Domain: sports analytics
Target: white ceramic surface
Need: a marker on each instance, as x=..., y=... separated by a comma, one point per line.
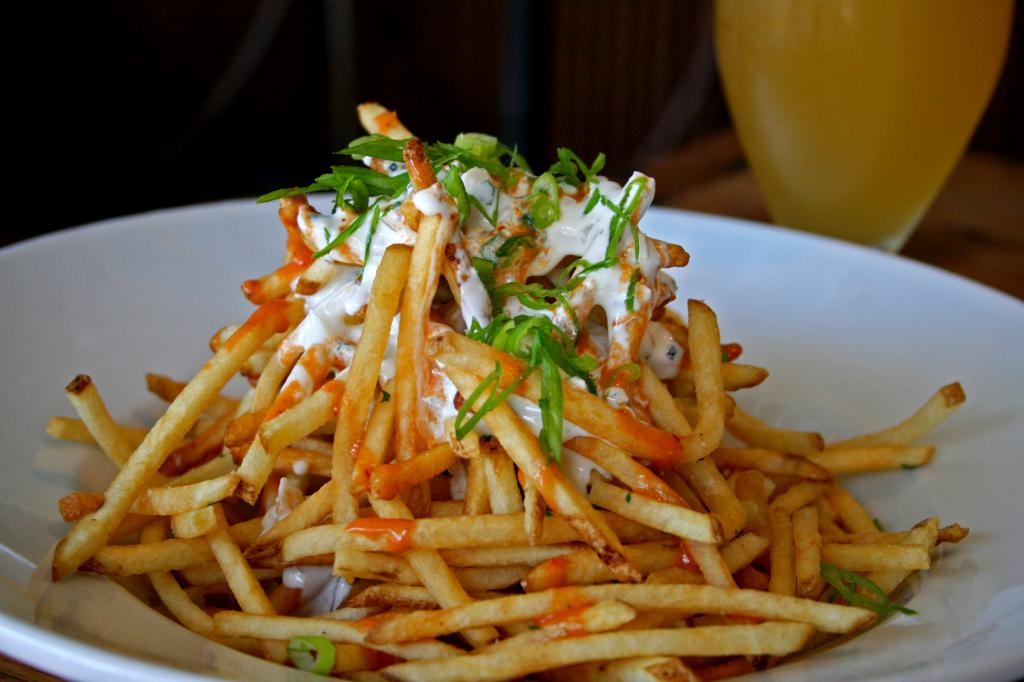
x=854, y=339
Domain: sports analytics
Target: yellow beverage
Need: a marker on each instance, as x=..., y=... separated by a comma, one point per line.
x=853, y=113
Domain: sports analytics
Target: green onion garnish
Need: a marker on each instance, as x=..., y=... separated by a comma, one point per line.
x=847, y=584
x=631, y=291
x=312, y=654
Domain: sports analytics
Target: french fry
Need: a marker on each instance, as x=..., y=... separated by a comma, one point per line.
x=798, y=496
x=756, y=433
x=850, y=512
x=485, y=530
x=239, y=576
x=294, y=423
x=375, y=444
x=601, y=617
x=195, y=523
x=772, y=462
x=943, y=403
x=769, y=638
x=171, y=593
x=924, y=534
x=848, y=460
x=363, y=376
x=411, y=363
x=503, y=491
x=162, y=556
x=390, y=479
x=285, y=628
x=166, y=501
x=375, y=119
x=477, y=491
x=76, y=505
x=807, y=553
x=679, y=521
x=90, y=407
x=683, y=598
x=705, y=478
x=875, y=557
x=783, y=577
x=705, y=353
x=65, y=428
x=92, y=532
x=735, y=376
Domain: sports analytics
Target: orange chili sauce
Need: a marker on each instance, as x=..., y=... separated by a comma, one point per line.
x=397, y=533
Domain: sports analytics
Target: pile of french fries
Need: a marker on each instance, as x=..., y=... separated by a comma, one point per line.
x=692, y=561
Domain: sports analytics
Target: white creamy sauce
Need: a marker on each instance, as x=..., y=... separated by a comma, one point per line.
x=289, y=496
x=433, y=200
x=660, y=350
x=300, y=467
x=457, y=483
x=321, y=592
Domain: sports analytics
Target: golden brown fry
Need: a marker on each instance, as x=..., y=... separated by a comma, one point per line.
x=286, y=627
x=76, y=505
x=683, y=598
x=171, y=593
x=66, y=428
x=679, y=521
x=363, y=376
x=169, y=500
x=90, y=407
x=943, y=403
x=502, y=489
x=705, y=478
x=705, y=353
x=783, y=577
x=390, y=479
x=850, y=512
x=848, y=460
x=771, y=462
x=376, y=120
x=769, y=638
x=195, y=523
x=807, y=553
x=756, y=433
x=875, y=557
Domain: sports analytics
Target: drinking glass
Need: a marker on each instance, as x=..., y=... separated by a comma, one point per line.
x=852, y=113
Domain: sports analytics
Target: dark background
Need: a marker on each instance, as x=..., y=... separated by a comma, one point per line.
x=122, y=107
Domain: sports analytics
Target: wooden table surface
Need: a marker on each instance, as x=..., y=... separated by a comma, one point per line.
x=975, y=228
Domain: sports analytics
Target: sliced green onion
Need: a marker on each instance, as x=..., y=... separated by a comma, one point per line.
x=477, y=144
x=544, y=201
x=312, y=654
x=344, y=234
x=551, y=407
x=373, y=231
x=457, y=190
x=847, y=584
x=631, y=291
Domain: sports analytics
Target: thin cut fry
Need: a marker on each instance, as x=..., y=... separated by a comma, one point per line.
x=807, y=553
x=770, y=638
x=945, y=401
x=848, y=460
x=756, y=433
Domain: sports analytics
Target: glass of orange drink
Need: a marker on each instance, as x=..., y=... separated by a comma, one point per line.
x=852, y=113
